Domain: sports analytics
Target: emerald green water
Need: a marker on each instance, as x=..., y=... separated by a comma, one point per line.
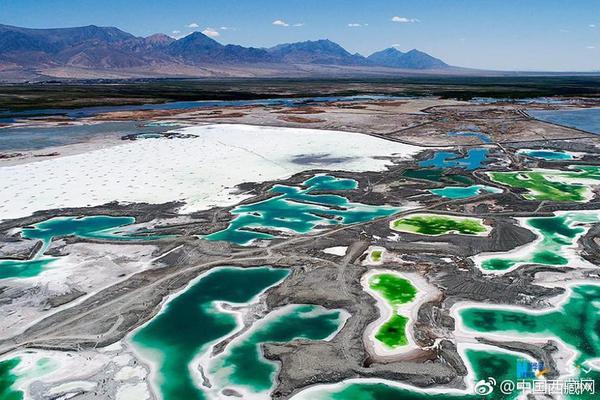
x=557, y=233
x=93, y=227
x=24, y=269
x=497, y=364
x=299, y=210
x=437, y=225
x=190, y=322
x=396, y=291
x=576, y=322
x=555, y=186
x=243, y=365
x=8, y=379
x=458, y=192
x=436, y=175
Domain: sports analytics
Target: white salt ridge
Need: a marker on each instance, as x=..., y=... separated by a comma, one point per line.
x=336, y=250
x=202, y=171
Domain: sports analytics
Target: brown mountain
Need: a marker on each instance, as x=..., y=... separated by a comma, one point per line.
x=96, y=52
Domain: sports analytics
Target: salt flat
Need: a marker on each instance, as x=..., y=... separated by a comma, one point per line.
x=201, y=171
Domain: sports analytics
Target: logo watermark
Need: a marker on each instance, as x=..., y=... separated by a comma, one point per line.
x=530, y=379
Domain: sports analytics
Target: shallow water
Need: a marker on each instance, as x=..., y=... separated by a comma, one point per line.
x=576, y=322
x=586, y=119
x=24, y=269
x=557, y=233
x=242, y=364
x=299, y=210
x=191, y=321
x=437, y=225
x=474, y=159
x=458, y=192
x=91, y=227
x=37, y=138
x=549, y=155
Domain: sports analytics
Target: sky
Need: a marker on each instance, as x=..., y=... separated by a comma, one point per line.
x=542, y=35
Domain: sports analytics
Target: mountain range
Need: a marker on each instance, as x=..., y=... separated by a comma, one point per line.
x=108, y=52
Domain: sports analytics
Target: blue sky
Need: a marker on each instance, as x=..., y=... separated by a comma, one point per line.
x=491, y=34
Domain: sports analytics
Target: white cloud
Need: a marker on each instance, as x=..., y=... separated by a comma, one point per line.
x=396, y=45
x=227, y=28
x=210, y=32
x=592, y=25
x=564, y=30
x=280, y=22
x=354, y=25
x=193, y=25
x=590, y=47
x=404, y=20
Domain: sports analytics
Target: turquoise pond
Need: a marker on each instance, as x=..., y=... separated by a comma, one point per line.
x=474, y=159
x=192, y=321
x=464, y=192
x=90, y=227
x=299, y=210
x=481, y=136
x=548, y=155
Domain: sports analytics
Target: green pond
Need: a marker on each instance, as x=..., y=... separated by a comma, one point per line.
x=486, y=363
x=460, y=192
x=92, y=227
x=557, y=233
x=376, y=255
x=7, y=380
x=242, y=364
x=576, y=322
x=192, y=321
x=24, y=269
x=396, y=291
x=438, y=225
x=299, y=210
x=553, y=185
x=436, y=175
x=9, y=376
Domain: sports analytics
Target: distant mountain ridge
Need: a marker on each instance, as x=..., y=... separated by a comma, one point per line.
x=413, y=59
x=108, y=51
